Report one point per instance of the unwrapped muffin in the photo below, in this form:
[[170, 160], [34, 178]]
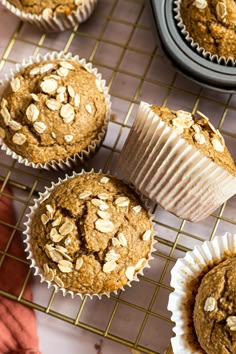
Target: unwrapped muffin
[[89, 234], [178, 161], [53, 110], [203, 301], [210, 26], [52, 15]]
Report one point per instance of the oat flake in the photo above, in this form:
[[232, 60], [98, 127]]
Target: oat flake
[[40, 127], [19, 138], [130, 272], [32, 112], [68, 138], [210, 304], [14, 125], [85, 194], [49, 85], [104, 180], [53, 105], [200, 4], [15, 84], [146, 236], [67, 65], [104, 226], [79, 263], [108, 267], [122, 239]]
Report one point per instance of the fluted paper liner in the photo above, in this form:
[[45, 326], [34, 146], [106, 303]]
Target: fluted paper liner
[[200, 50], [29, 250], [57, 22], [186, 270], [171, 172], [83, 155]]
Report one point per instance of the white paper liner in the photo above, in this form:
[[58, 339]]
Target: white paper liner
[[171, 172], [69, 161], [36, 268], [186, 270], [58, 22], [200, 50]]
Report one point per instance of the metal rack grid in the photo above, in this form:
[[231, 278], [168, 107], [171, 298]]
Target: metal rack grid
[[118, 40]]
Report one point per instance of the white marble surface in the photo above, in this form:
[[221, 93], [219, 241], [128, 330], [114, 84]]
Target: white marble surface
[[118, 40]]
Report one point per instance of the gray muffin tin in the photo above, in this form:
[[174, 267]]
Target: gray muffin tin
[[186, 60]]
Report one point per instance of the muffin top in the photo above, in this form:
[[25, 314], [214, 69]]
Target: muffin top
[[47, 7], [212, 24], [91, 235], [215, 309], [200, 133], [52, 110]]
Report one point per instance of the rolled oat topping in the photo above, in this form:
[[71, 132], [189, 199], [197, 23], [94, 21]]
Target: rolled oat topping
[[57, 97], [90, 250]]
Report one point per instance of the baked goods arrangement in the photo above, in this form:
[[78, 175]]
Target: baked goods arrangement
[[91, 233]]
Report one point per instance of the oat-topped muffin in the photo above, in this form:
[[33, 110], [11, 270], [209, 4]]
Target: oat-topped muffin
[[215, 309], [52, 15], [91, 235], [198, 131], [178, 160], [211, 24], [52, 110]]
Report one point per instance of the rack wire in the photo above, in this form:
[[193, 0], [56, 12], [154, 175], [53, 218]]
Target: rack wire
[[118, 40]]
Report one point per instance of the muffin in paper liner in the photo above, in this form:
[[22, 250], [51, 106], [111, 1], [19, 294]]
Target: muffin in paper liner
[[84, 154], [39, 270], [229, 61], [186, 277], [55, 22], [170, 171]]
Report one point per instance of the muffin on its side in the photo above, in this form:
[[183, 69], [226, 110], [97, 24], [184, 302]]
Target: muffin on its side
[[178, 161], [89, 235], [54, 109], [211, 24], [215, 309], [52, 15]]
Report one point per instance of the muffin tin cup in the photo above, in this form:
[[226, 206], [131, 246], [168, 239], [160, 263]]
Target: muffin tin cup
[[60, 22], [171, 172], [184, 274], [38, 271], [200, 50], [85, 154]]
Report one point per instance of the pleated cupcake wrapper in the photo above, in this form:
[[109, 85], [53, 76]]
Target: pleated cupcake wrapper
[[70, 161], [58, 22], [200, 50], [185, 271], [171, 172], [38, 271]]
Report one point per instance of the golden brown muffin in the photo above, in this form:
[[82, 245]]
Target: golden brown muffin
[[91, 235], [215, 309], [52, 110], [200, 133], [46, 6], [212, 24]]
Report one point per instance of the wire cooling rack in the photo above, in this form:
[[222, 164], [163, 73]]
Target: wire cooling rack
[[118, 40]]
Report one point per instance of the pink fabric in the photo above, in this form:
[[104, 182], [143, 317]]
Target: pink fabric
[[18, 333]]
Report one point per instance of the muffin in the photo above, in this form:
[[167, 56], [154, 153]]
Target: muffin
[[54, 109], [203, 302], [210, 25], [52, 15], [89, 234], [178, 161], [215, 309]]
